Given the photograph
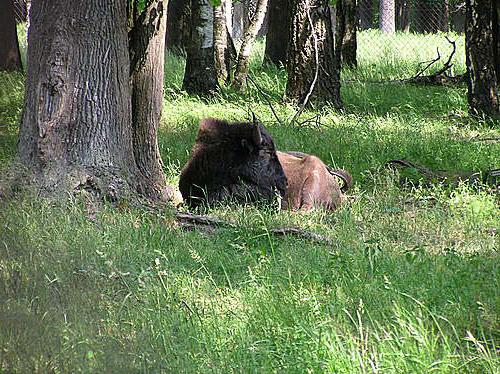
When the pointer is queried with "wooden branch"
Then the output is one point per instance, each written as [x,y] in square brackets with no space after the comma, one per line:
[302,234]
[209,224]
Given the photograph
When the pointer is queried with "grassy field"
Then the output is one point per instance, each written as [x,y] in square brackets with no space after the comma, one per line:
[410,285]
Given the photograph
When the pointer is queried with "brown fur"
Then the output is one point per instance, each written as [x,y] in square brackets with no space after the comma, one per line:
[311,183]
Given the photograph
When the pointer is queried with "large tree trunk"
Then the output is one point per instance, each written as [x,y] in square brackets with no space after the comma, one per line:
[277,33]
[10,58]
[76,130]
[387,16]
[482,61]
[313,63]
[147,51]
[200,76]
[346,31]
[242,65]
[178,21]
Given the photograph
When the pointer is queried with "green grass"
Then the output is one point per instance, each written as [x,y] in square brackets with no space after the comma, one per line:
[410,284]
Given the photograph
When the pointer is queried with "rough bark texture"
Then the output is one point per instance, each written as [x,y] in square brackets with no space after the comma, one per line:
[241,71]
[313,63]
[480,58]
[346,31]
[10,58]
[387,16]
[147,51]
[277,33]
[222,53]
[178,21]
[76,129]
[200,76]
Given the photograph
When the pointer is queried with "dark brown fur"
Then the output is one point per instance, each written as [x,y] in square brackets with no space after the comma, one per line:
[232,161]
[311,183]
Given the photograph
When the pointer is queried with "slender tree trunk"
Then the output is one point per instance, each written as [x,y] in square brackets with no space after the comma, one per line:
[76,129]
[147,51]
[387,16]
[346,31]
[222,53]
[495,10]
[241,72]
[277,34]
[10,57]
[178,21]
[200,76]
[313,63]
[238,19]
[480,57]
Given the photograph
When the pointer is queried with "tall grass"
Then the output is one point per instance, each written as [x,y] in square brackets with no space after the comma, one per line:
[410,284]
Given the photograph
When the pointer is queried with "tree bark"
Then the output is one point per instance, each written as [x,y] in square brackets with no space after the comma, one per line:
[200,76]
[313,61]
[242,65]
[222,52]
[238,19]
[147,54]
[178,20]
[10,57]
[76,129]
[482,61]
[277,34]
[346,31]
[387,16]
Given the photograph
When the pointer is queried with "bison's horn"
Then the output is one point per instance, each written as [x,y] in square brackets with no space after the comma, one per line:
[256,136]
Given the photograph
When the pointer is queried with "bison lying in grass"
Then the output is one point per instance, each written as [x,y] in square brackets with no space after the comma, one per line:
[239,162]
[232,161]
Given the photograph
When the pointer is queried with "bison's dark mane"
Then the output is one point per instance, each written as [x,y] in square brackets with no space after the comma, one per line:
[225,156]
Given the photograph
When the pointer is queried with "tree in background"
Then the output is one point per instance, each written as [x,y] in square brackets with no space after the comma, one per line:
[387,18]
[243,62]
[482,56]
[346,34]
[10,57]
[178,20]
[277,33]
[76,132]
[313,63]
[403,11]
[200,76]
[223,43]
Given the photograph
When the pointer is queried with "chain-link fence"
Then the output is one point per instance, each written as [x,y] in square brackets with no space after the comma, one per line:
[396,37]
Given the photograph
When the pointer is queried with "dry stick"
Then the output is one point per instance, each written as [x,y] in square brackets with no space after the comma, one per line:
[431,62]
[265,97]
[212,222]
[316,73]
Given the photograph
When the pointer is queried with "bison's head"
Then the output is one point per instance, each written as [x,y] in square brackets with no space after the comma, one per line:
[236,161]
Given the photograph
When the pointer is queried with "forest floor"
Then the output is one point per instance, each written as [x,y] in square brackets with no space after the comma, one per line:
[410,284]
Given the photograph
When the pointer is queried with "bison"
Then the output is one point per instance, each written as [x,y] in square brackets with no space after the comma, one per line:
[311,183]
[235,161]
